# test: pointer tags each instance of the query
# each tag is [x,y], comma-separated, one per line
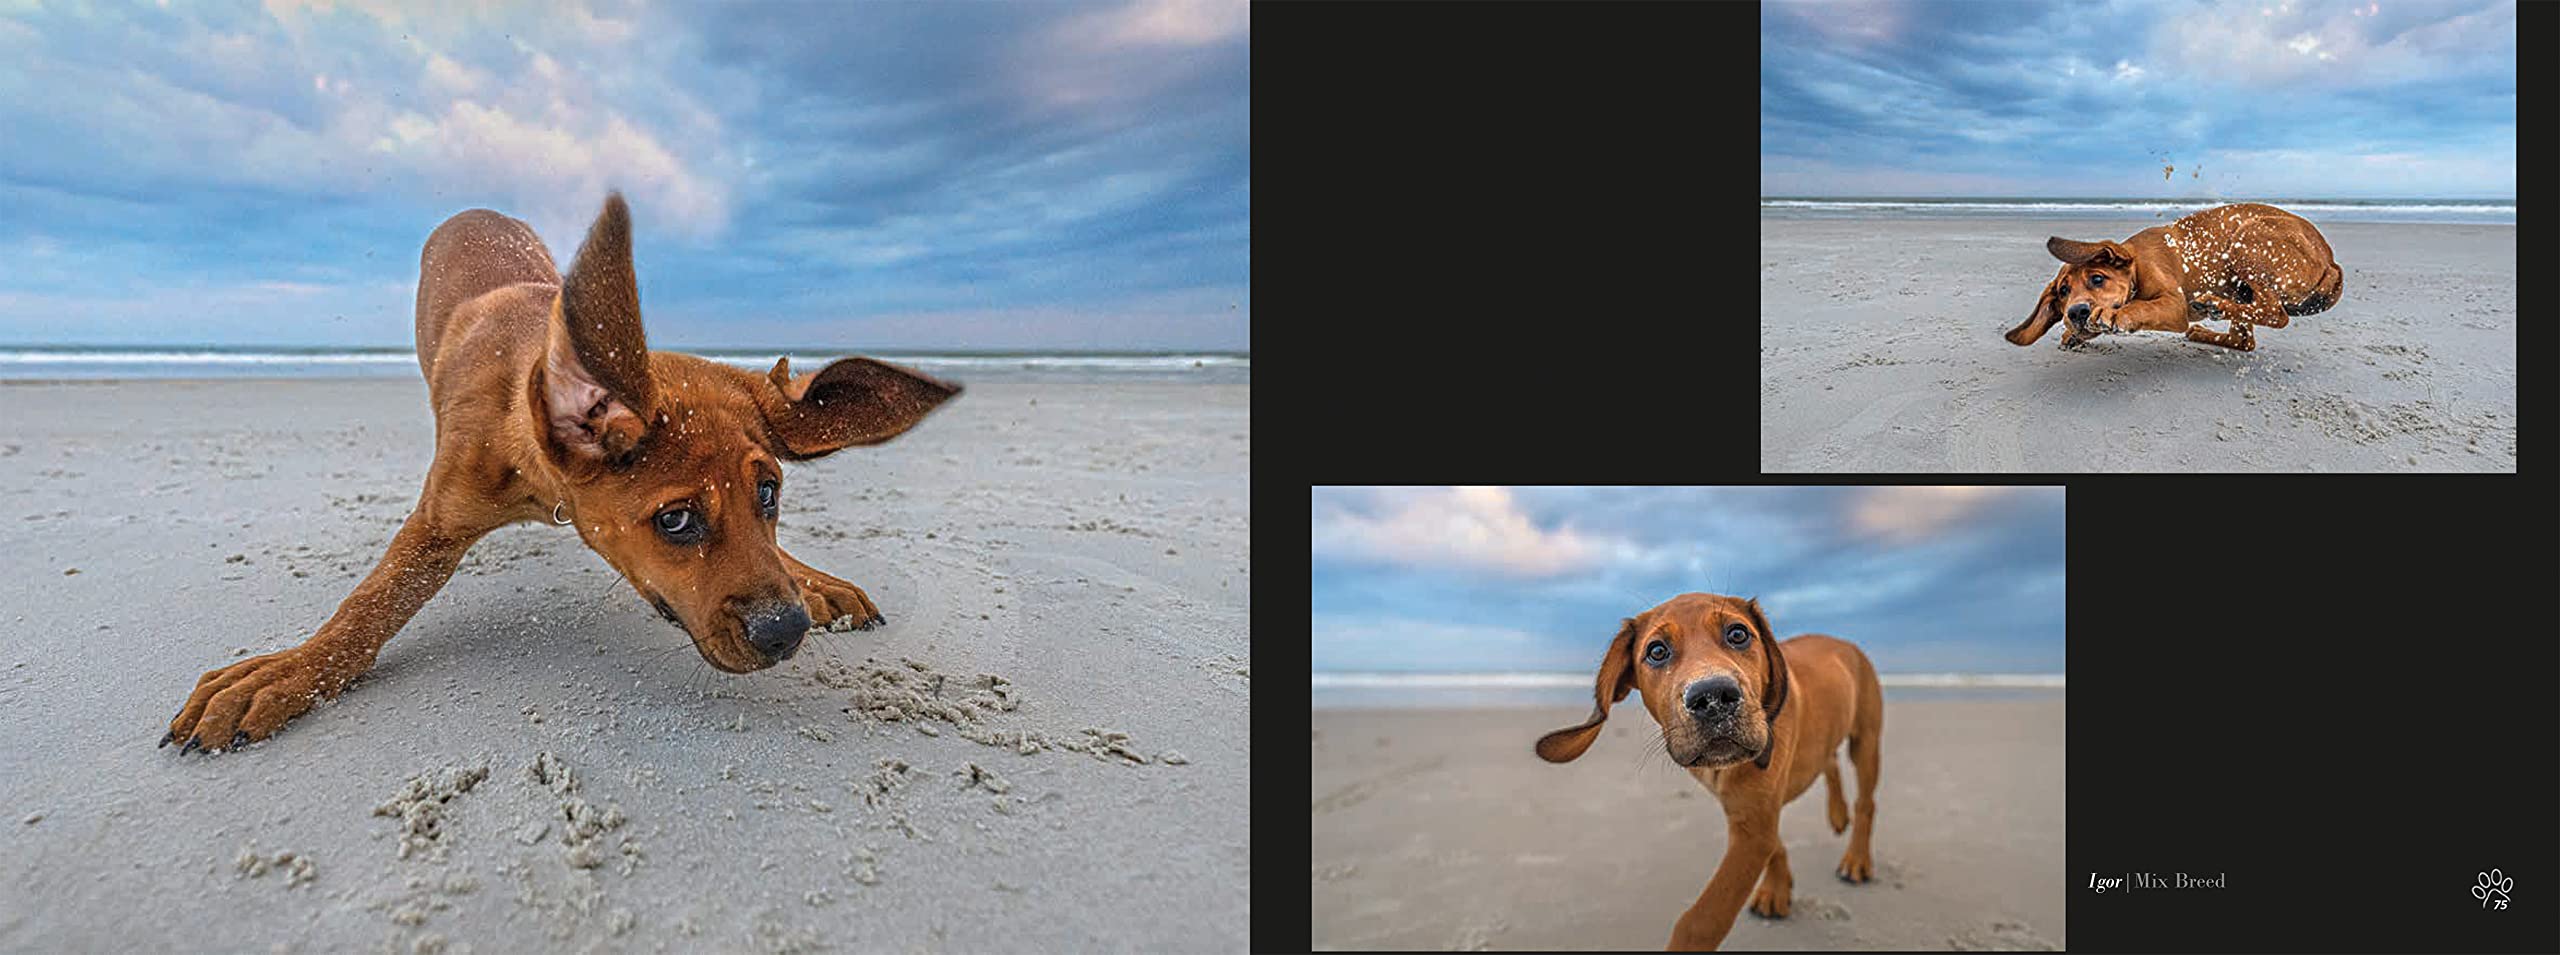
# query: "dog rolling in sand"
[550,407]
[2249,264]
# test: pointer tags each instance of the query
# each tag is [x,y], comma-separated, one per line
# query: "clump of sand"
[420,806]
[585,823]
[1102,744]
[985,778]
[863,865]
[410,905]
[887,776]
[298,869]
[914,693]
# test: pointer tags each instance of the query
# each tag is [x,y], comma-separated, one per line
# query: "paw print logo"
[2494,885]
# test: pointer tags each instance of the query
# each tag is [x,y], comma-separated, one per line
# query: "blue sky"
[2244,99]
[991,175]
[1926,579]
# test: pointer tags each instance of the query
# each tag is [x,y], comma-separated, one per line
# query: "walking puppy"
[550,406]
[1755,724]
[2252,264]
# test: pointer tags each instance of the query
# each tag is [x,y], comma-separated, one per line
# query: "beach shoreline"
[1880,351]
[1440,829]
[538,762]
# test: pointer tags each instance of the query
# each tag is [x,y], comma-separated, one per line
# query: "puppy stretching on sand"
[550,406]
[2249,263]
[1756,725]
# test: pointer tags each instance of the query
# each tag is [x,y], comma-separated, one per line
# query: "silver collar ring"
[555,514]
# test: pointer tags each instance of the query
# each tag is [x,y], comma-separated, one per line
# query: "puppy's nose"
[1714,696]
[775,629]
[2080,312]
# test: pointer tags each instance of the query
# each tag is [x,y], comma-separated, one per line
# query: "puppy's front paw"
[1770,901]
[1857,867]
[246,701]
[837,605]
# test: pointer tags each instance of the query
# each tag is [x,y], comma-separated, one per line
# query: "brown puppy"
[550,406]
[2251,264]
[1756,724]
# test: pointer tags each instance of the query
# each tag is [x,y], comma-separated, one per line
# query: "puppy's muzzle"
[1713,701]
[2079,316]
[775,629]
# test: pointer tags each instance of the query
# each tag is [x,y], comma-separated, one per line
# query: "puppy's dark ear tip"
[1547,747]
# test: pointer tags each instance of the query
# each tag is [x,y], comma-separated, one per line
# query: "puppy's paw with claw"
[1857,867]
[1770,902]
[245,702]
[836,605]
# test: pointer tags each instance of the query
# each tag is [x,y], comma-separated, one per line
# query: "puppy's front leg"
[1751,830]
[2167,314]
[830,598]
[249,700]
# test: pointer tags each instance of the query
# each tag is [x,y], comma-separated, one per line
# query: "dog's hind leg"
[1839,806]
[2237,339]
[2251,308]
[2333,283]
[1858,865]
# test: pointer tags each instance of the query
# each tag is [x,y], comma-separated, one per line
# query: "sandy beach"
[1880,350]
[1438,829]
[537,762]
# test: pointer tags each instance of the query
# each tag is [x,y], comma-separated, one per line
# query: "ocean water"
[1571,690]
[23,362]
[2479,211]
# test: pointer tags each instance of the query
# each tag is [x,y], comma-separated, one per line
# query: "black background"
[1517,244]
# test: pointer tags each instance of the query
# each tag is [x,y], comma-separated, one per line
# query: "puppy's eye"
[1737,636]
[679,524]
[1657,652]
[768,494]
[2097,281]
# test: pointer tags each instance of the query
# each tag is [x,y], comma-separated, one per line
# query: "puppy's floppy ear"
[1773,687]
[1610,686]
[594,387]
[851,401]
[2048,310]
[2084,253]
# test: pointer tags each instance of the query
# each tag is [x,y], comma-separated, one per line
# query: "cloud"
[2287,50]
[1476,528]
[346,101]
[1905,514]
[1146,24]
[1485,579]
[975,175]
[1984,98]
